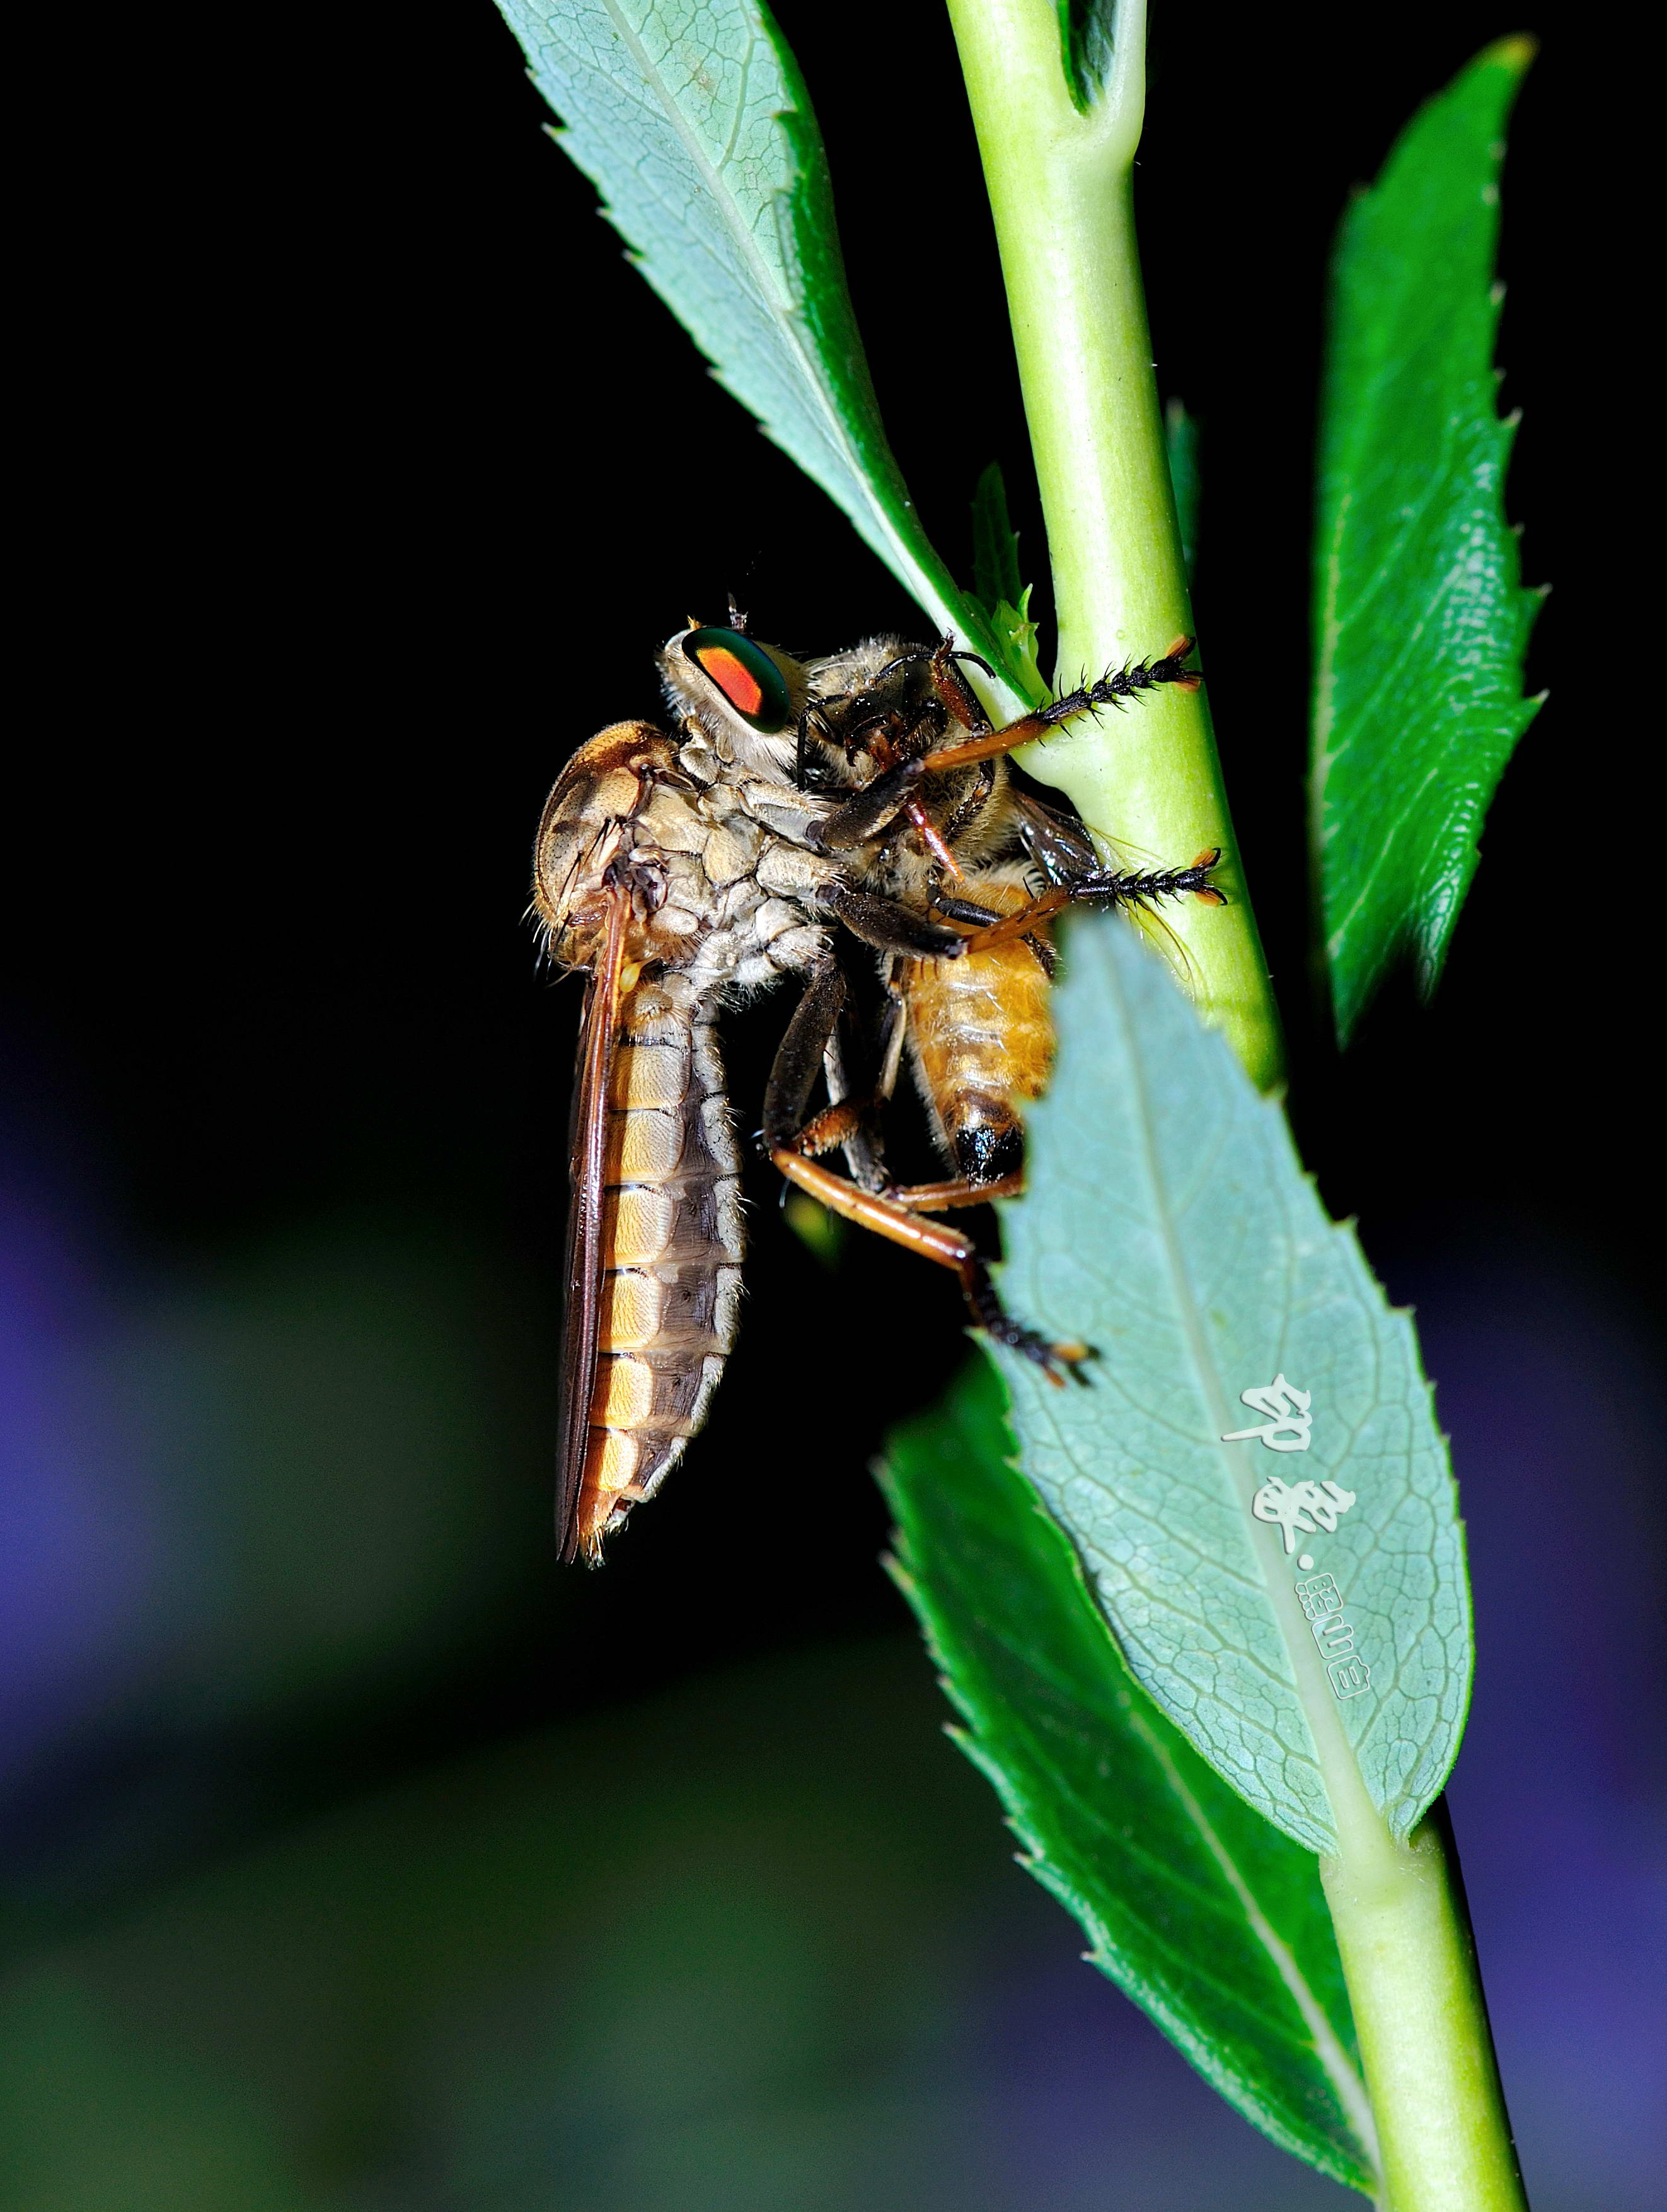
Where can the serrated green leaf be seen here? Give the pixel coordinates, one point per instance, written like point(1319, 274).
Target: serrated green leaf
point(694, 123)
point(1169, 1224)
point(1180, 436)
point(1002, 598)
point(1205, 1915)
point(996, 575)
point(1087, 29)
point(1420, 621)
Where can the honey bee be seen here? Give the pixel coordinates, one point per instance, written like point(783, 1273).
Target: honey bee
point(978, 1031)
point(682, 873)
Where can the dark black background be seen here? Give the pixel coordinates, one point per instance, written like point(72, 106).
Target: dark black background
point(373, 476)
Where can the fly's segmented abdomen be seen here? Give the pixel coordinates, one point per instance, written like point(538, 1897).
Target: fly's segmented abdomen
point(672, 1245)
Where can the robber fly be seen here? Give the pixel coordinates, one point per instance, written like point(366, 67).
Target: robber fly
point(680, 874)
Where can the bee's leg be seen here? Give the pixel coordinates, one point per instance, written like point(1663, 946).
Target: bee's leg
point(983, 742)
point(790, 1141)
point(848, 1120)
point(865, 1148)
point(953, 693)
point(836, 1129)
point(968, 809)
point(936, 1241)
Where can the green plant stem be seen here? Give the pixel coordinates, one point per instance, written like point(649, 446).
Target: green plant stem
point(1443, 2134)
point(1061, 189)
point(1060, 184)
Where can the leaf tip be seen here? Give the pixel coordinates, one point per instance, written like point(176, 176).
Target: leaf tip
point(1515, 52)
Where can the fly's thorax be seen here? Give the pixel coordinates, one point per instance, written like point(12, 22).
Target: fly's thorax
point(707, 872)
point(772, 907)
point(750, 894)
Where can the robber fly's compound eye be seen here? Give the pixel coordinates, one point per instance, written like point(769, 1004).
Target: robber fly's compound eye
point(749, 680)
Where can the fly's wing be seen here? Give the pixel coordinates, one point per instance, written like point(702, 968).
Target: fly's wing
point(586, 1255)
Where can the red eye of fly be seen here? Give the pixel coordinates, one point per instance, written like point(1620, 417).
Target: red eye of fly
point(744, 673)
point(737, 682)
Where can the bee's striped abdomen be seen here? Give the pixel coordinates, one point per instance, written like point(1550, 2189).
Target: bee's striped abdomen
point(982, 1034)
point(672, 1242)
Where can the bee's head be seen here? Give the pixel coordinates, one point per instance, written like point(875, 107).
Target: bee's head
point(747, 697)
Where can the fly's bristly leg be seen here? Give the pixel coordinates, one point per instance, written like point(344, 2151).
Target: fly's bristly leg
point(791, 1136)
point(889, 926)
point(1126, 887)
point(934, 1241)
point(800, 1055)
point(944, 1197)
point(863, 816)
point(1055, 1360)
point(1112, 690)
point(862, 1144)
point(960, 909)
point(1109, 887)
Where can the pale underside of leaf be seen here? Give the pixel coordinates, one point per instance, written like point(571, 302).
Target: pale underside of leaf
point(1200, 1910)
point(1168, 1223)
point(692, 121)
point(1420, 621)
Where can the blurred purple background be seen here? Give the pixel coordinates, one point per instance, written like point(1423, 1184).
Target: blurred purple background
point(771, 1888)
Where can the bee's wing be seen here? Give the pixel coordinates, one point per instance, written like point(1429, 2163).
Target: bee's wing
point(1064, 847)
point(586, 1252)
point(1055, 840)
